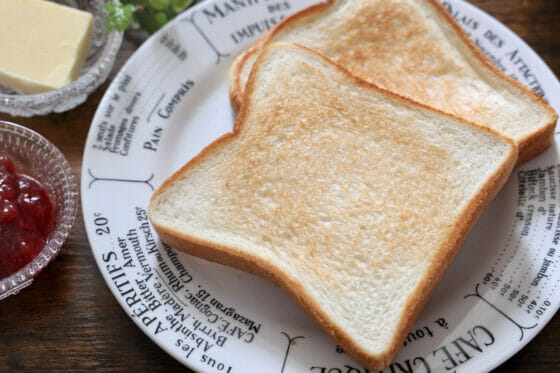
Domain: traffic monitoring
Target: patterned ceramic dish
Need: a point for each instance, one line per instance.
(209, 317)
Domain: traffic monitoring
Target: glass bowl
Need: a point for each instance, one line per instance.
(98, 65)
(38, 157)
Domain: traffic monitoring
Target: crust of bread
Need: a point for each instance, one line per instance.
(541, 138)
(237, 258)
(530, 145)
(236, 88)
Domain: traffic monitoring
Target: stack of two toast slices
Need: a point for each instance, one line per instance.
(350, 197)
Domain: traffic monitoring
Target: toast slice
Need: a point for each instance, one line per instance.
(352, 199)
(414, 48)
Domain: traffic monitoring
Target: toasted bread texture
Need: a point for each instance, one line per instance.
(352, 199)
(414, 48)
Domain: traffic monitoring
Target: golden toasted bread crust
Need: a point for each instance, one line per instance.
(530, 145)
(238, 258)
(236, 88)
(534, 143)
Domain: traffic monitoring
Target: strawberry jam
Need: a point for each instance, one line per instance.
(27, 216)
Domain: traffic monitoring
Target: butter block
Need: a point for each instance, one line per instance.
(43, 45)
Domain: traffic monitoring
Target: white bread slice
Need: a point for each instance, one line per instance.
(414, 48)
(352, 199)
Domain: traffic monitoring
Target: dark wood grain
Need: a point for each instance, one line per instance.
(69, 320)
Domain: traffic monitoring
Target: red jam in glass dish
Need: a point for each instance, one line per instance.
(27, 216)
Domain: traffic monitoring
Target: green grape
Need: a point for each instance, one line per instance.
(160, 18)
(143, 18)
(159, 4)
(179, 5)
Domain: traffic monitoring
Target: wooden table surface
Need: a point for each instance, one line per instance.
(69, 320)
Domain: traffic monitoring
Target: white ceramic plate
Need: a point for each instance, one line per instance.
(170, 100)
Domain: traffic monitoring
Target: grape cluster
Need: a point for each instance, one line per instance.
(149, 15)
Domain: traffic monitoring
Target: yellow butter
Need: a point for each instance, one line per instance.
(43, 45)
